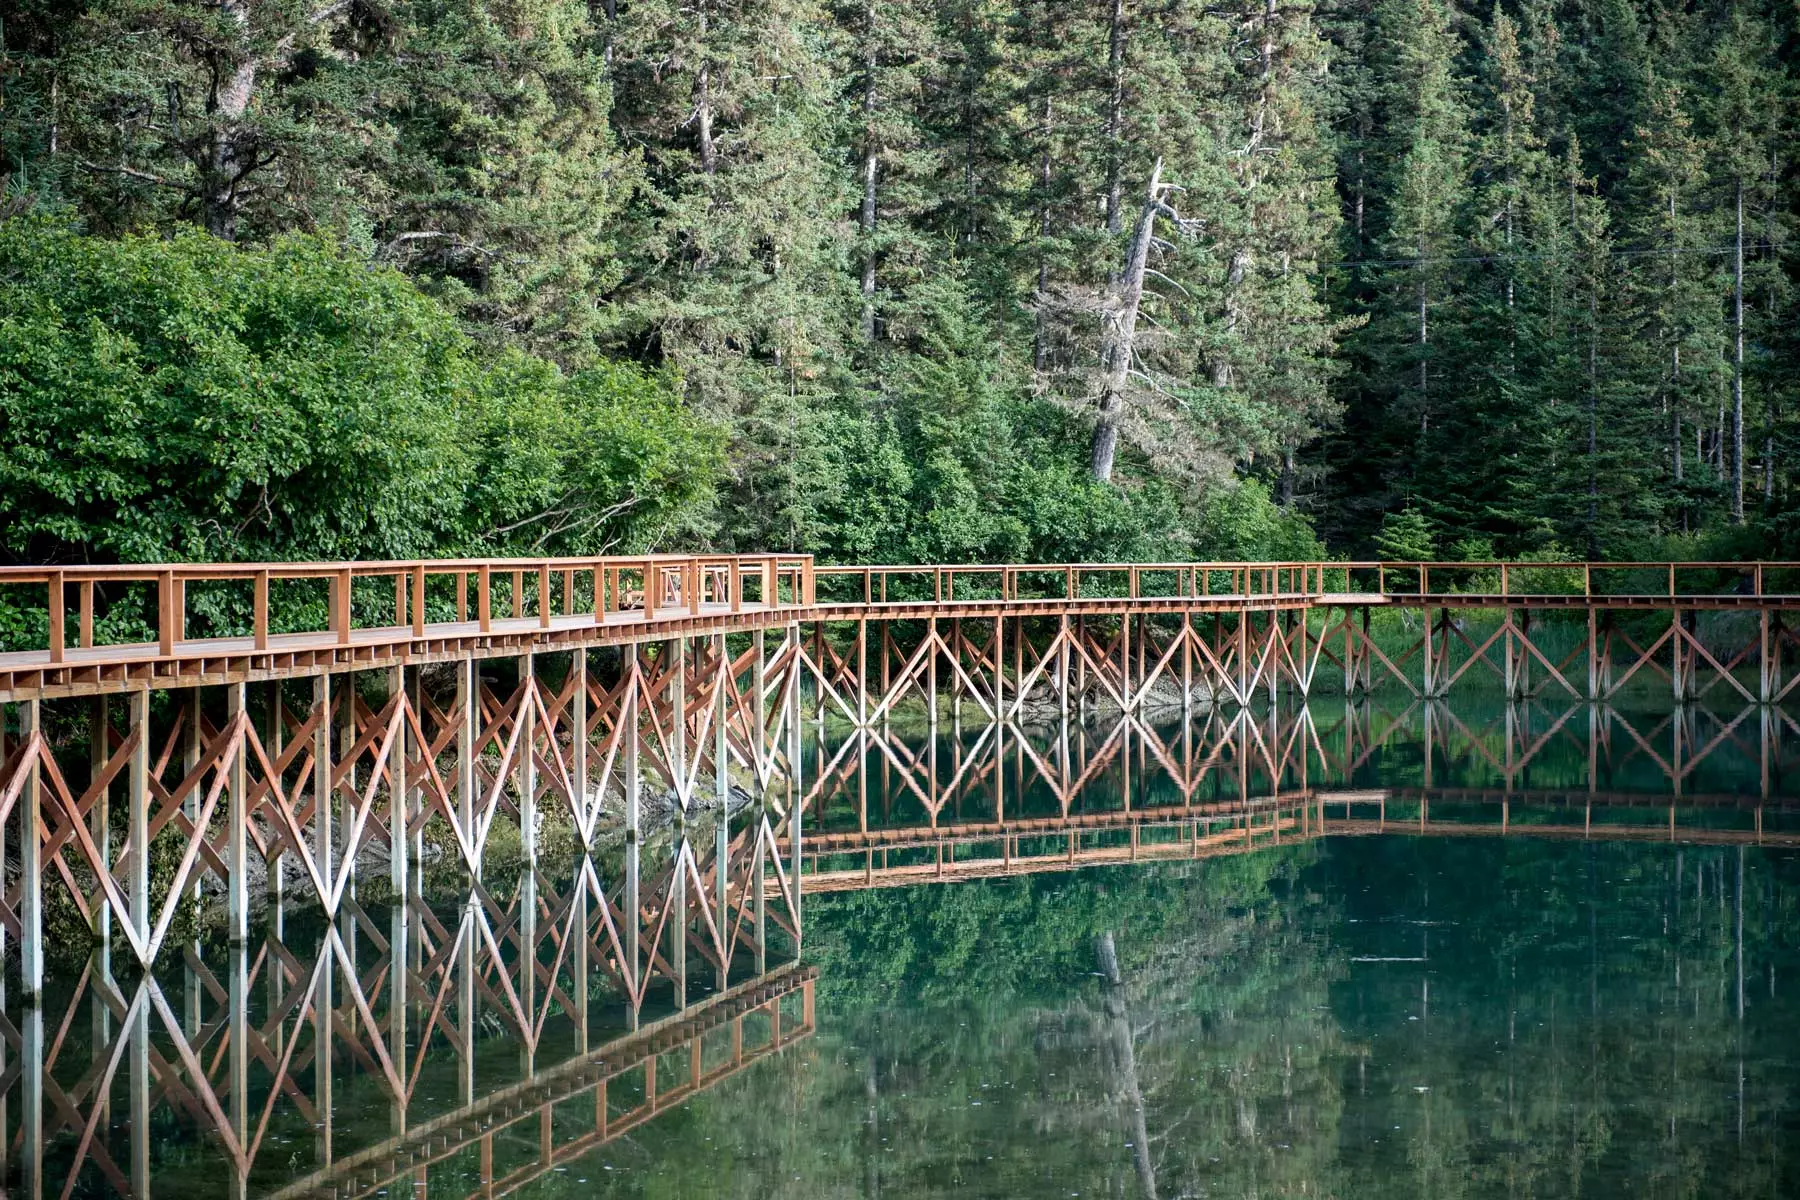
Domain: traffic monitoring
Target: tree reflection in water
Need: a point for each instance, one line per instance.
(1204, 959)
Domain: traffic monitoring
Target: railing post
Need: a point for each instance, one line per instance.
(87, 613)
(56, 616)
(260, 611)
(418, 601)
(166, 616)
(343, 606)
(544, 612)
(484, 597)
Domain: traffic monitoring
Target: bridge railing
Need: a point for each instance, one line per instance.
(1652, 580)
(62, 609)
(156, 607)
(890, 583)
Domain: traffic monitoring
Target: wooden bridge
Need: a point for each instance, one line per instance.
(177, 730)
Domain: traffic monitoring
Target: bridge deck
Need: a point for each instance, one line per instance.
(89, 670)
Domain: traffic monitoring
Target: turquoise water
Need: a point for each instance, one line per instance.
(1345, 951)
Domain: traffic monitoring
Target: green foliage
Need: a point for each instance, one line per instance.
(184, 399)
(1244, 524)
(1406, 536)
(1483, 262)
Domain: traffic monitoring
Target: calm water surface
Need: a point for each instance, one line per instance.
(1348, 951)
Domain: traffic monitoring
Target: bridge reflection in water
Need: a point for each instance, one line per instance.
(888, 809)
(471, 1043)
(478, 1042)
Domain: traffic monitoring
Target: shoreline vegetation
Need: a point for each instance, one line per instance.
(954, 282)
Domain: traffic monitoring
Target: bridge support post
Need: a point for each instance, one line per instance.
(274, 884)
(956, 655)
(527, 765)
(1125, 686)
(1509, 656)
(1593, 654)
(100, 815)
(399, 849)
(1366, 667)
(1243, 653)
(678, 726)
(1778, 635)
(1272, 660)
(759, 713)
(468, 732)
(237, 818)
(796, 806)
(578, 747)
(321, 783)
(1187, 661)
(346, 789)
(1080, 666)
(632, 909)
(138, 816)
(1525, 653)
(1427, 661)
(862, 674)
(999, 669)
(1765, 689)
(31, 872)
(1675, 654)
(931, 669)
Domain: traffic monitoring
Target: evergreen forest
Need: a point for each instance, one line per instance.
(948, 280)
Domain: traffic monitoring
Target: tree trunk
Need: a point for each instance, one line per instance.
(1115, 116)
(1424, 343)
(1593, 430)
(1040, 326)
(1674, 352)
(1119, 338)
(703, 107)
(1737, 367)
(870, 168)
(1123, 1057)
(226, 165)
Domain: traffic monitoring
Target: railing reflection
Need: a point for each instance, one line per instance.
(890, 807)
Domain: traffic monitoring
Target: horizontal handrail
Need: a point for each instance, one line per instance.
(1389, 578)
(466, 590)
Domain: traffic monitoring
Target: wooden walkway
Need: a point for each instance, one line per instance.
(299, 619)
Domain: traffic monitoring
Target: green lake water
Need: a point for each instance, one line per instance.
(1526, 951)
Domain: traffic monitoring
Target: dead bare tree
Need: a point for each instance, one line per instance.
(1119, 323)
